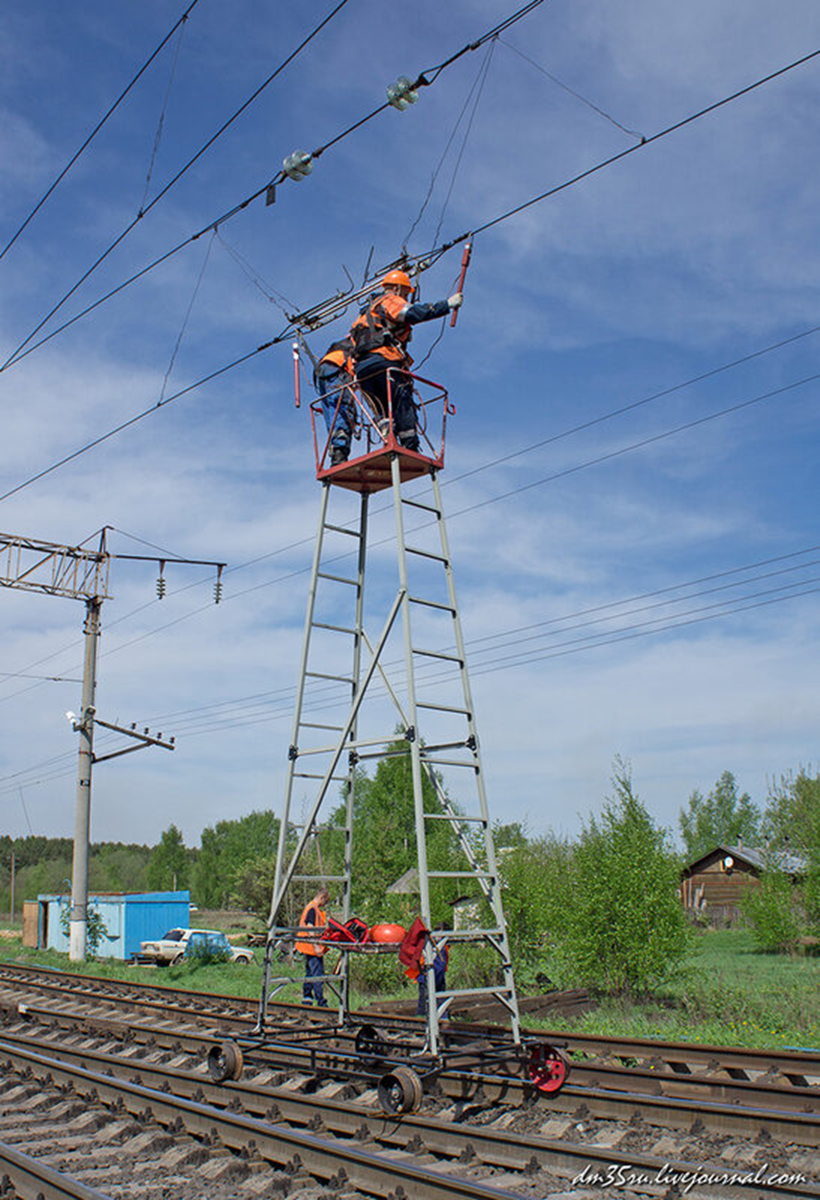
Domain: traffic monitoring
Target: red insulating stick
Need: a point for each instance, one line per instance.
(465, 262)
(296, 380)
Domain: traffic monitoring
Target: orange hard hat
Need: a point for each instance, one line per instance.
(398, 277)
(387, 933)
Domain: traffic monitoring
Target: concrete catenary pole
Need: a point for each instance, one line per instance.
(78, 926)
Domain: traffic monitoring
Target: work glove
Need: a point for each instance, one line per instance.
(456, 300)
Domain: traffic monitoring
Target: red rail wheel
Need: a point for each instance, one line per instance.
(547, 1067)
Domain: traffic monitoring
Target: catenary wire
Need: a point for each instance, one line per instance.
(489, 224)
(99, 126)
(175, 179)
(426, 78)
(161, 122)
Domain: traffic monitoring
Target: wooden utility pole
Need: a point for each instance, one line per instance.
(11, 906)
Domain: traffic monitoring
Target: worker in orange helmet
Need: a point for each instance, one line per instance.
(380, 336)
(313, 914)
(332, 378)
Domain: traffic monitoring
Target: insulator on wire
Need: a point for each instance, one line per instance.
(218, 586)
(402, 94)
(162, 586)
(297, 165)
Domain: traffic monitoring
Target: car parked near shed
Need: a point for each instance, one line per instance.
(177, 944)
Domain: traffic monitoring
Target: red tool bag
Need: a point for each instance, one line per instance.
(352, 932)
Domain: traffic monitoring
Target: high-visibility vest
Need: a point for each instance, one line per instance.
(378, 330)
(315, 948)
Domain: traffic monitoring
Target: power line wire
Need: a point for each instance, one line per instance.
(175, 179)
(426, 78)
(99, 126)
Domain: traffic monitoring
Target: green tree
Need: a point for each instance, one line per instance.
(224, 852)
(721, 818)
(771, 911)
(791, 823)
(168, 865)
(534, 876)
(625, 929)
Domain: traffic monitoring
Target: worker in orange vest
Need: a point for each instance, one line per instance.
(380, 335)
(313, 914)
(417, 972)
(332, 376)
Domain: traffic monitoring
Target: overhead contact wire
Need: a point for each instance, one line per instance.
(176, 178)
(99, 126)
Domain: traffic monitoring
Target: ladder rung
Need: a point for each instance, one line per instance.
(426, 554)
(311, 775)
(448, 762)
(455, 817)
(473, 935)
(322, 675)
(341, 529)
(485, 991)
(418, 504)
(318, 878)
(316, 725)
(465, 712)
(333, 628)
(337, 578)
(463, 744)
(459, 875)
(438, 654)
(431, 604)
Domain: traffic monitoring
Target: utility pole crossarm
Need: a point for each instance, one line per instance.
(144, 739)
(53, 569)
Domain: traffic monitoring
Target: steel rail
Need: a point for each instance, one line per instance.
(665, 1060)
(378, 1174)
(601, 1085)
(348, 1116)
(35, 1180)
(376, 1171)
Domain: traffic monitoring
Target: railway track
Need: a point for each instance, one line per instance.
(136, 1050)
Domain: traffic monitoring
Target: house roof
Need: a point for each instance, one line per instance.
(754, 857)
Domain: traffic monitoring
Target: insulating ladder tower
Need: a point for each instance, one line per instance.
(427, 698)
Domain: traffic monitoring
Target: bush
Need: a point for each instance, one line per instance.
(770, 912)
(624, 926)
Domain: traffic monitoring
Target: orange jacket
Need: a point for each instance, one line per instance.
(380, 329)
(314, 948)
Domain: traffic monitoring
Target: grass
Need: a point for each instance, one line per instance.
(727, 993)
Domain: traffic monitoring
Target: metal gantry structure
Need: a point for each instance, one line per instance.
(80, 573)
(425, 703)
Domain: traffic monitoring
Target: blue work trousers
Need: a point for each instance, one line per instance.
(371, 373)
(329, 379)
(314, 965)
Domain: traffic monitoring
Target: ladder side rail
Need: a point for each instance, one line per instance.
(492, 864)
(289, 871)
(415, 757)
(449, 813)
(297, 714)
(350, 798)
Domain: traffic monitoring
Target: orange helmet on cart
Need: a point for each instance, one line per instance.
(398, 279)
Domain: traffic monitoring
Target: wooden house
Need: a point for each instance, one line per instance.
(714, 883)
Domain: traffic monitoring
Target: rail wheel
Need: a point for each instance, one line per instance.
(547, 1068)
(225, 1062)
(400, 1091)
(367, 1044)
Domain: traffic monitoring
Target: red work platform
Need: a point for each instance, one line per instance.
(370, 470)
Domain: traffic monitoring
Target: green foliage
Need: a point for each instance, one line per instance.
(770, 911)
(225, 851)
(206, 954)
(792, 816)
(384, 842)
(534, 879)
(623, 928)
(723, 818)
(95, 926)
(168, 866)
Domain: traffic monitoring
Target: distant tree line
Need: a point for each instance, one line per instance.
(601, 910)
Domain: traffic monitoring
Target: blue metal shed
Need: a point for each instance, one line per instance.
(129, 918)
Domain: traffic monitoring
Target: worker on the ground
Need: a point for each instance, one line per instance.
(417, 971)
(313, 914)
(380, 336)
(332, 377)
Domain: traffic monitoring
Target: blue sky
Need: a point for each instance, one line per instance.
(693, 253)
